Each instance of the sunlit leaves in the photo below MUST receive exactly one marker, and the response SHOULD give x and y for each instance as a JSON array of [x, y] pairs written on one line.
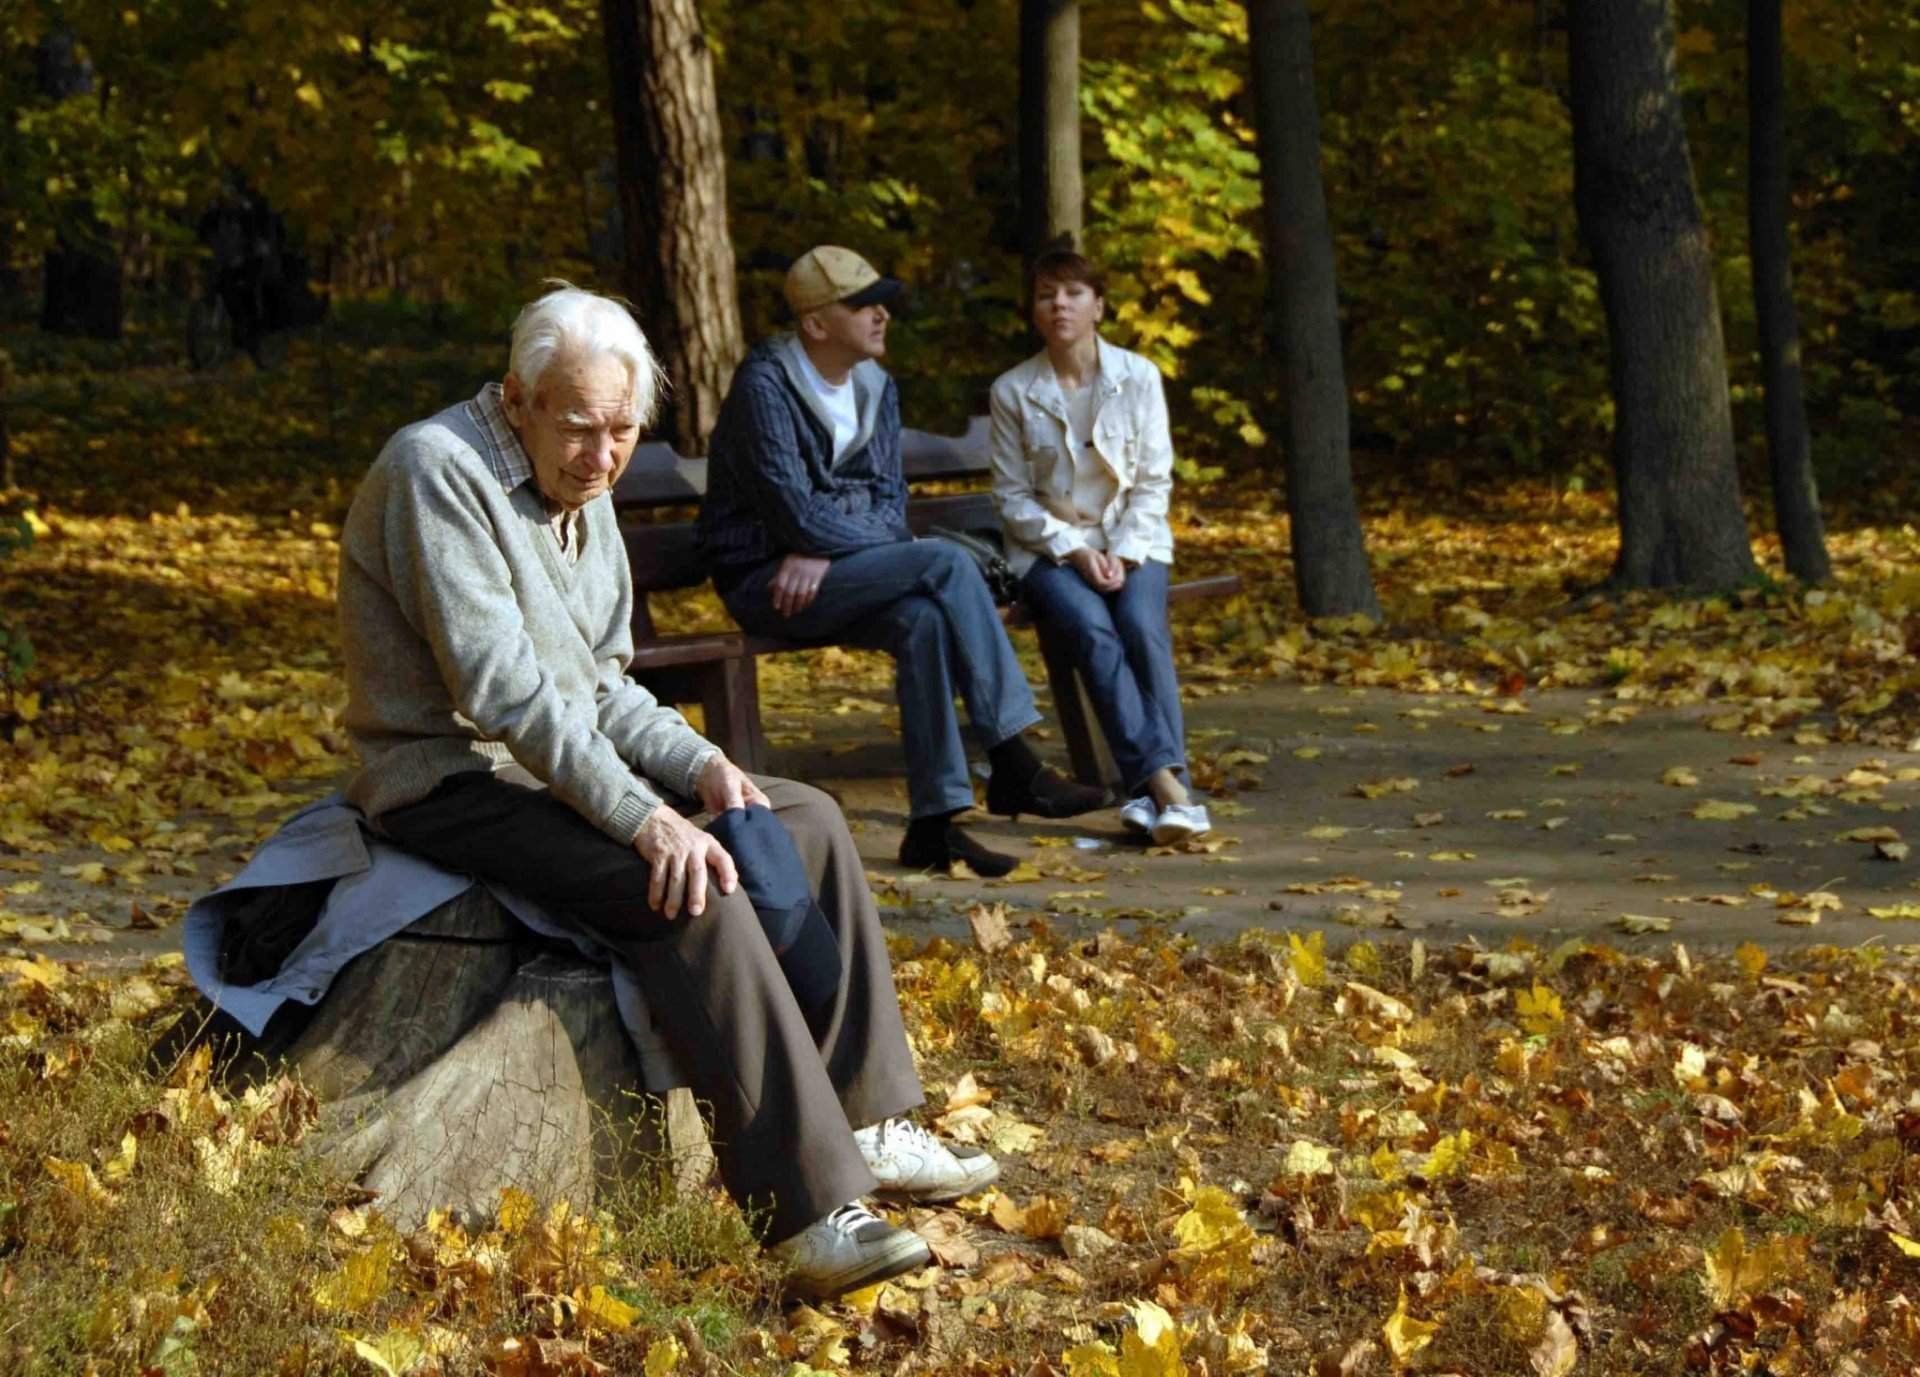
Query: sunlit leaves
[[1737, 1271], [1044, 1216], [1449, 1156], [1216, 1243], [1307, 958], [1539, 1010], [1718, 810], [1406, 1335], [360, 1282]]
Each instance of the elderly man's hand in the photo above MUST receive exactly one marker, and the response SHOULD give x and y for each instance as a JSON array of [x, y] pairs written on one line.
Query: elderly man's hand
[[681, 855], [797, 583], [723, 785]]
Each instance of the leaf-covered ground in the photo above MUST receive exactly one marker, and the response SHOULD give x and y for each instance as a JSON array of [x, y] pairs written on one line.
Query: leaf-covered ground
[[1262, 1153], [1253, 1156]]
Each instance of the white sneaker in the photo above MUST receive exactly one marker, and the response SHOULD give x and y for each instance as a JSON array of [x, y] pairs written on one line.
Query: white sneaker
[[1138, 814], [849, 1249], [911, 1164], [1179, 821]]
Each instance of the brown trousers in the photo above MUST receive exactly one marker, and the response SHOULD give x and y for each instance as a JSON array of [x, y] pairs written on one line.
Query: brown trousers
[[784, 1104]]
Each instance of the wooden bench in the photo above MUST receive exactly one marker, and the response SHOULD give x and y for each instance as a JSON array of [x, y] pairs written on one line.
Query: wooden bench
[[718, 669]]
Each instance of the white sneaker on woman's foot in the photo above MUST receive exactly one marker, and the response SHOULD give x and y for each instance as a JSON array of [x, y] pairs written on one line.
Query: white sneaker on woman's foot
[[911, 1164], [1179, 821], [849, 1249], [1138, 814]]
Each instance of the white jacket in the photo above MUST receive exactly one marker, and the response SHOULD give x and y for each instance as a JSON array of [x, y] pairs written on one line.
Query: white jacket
[[1033, 461]]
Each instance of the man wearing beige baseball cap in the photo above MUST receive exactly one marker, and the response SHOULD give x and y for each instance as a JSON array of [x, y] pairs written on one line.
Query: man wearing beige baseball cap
[[804, 527]]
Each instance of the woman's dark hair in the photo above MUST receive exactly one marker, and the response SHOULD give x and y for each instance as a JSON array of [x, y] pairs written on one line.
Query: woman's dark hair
[[1064, 265]]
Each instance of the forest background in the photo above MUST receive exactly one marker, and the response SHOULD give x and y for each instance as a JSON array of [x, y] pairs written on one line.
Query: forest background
[[433, 162]]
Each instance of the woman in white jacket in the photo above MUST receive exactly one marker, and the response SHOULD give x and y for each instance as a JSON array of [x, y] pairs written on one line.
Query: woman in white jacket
[[1082, 470]]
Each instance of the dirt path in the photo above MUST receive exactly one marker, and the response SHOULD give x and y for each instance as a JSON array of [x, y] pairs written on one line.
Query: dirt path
[[1555, 801], [1539, 818]]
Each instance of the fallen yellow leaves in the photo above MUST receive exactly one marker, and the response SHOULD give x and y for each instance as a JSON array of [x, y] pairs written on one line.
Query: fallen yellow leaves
[[1737, 1272], [361, 1281], [1868, 834], [1416, 1117], [1717, 810], [1216, 1245], [1404, 1334], [1044, 1216], [1540, 1010]]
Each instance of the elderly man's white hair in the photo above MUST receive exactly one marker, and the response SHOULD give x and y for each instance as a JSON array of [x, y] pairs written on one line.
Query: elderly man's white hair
[[575, 323]]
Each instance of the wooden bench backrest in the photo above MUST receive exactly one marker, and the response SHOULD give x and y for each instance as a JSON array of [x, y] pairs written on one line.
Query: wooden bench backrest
[[925, 457], [658, 477], [663, 553]]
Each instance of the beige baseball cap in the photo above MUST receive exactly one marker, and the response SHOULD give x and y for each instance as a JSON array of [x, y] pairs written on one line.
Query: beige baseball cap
[[828, 273]]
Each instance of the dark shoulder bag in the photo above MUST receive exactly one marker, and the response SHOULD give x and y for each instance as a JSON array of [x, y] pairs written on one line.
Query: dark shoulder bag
[[1002, 582]]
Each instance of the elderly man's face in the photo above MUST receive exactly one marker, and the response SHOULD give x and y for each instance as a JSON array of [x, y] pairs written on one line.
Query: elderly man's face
[[578, 428]]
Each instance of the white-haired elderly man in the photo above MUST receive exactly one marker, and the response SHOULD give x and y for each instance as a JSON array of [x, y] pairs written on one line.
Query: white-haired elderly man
[[484, 605]]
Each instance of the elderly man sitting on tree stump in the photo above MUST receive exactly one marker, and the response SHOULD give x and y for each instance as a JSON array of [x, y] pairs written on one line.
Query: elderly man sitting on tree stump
[[484, 604]]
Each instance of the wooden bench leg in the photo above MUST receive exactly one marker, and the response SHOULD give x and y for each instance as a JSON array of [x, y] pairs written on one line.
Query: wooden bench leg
[[1086, 748], [730, 697]]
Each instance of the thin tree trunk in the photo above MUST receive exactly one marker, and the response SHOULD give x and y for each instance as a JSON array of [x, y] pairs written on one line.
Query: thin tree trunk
[[81, 286], [82, 292], [1329, 552], [1680, 518], [1051, 197], [673, 202], [1796, 499], [8, 479]]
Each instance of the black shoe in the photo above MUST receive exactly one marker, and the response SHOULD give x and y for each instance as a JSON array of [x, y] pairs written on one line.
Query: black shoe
[[937, 853], [1049, 794]]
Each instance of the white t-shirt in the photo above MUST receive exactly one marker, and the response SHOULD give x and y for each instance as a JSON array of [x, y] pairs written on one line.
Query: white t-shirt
[[1093, 483], [840, 404]]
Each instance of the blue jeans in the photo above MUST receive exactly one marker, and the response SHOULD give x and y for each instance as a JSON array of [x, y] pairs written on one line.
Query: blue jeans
[[1124, 651], [925, 604]]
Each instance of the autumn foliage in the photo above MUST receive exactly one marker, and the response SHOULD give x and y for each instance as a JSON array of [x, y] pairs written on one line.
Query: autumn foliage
[[1261, 1155]]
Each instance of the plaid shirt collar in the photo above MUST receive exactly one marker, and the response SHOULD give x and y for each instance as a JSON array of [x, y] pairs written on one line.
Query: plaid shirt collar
[[501, 448]]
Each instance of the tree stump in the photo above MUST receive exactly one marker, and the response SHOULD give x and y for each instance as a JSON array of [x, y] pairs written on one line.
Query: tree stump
[[461, 1057]]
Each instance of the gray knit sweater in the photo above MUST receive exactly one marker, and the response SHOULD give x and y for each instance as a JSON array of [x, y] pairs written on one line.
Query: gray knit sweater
[[471, 641]]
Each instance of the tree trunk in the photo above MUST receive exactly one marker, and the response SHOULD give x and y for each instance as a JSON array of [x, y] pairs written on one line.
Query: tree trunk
[[8, 479], [673, 204], [1329, 552], [82, 292], [1051, 199], [1680, 518], [516, 1072], [1796, 500]]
